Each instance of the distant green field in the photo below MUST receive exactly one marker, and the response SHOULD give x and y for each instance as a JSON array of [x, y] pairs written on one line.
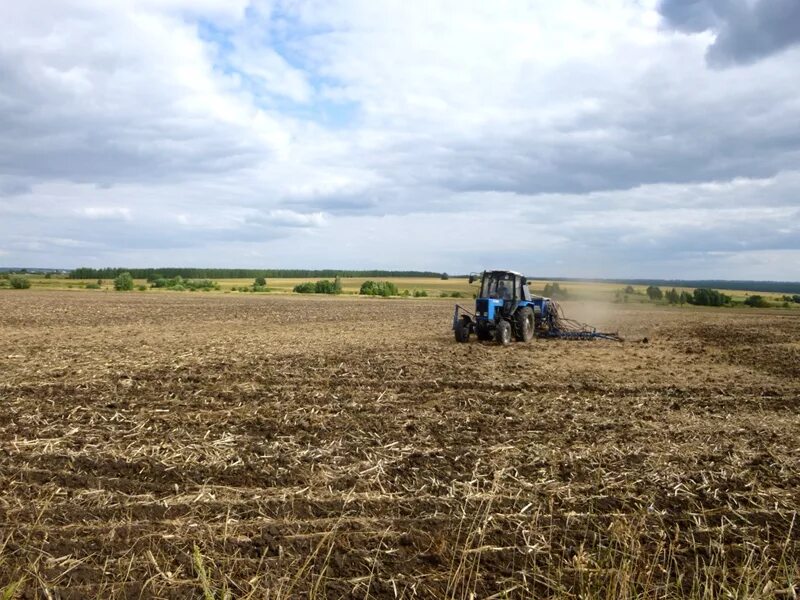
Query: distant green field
[[350, 285], [434, 287]]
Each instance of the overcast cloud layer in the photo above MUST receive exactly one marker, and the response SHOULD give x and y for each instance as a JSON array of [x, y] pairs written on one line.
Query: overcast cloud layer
[[574, 138]]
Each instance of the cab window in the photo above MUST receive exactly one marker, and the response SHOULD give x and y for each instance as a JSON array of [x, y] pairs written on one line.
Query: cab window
[[498, 285]]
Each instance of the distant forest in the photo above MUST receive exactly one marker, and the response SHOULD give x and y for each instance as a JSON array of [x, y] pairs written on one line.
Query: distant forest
[[168, 272], [778, 287]]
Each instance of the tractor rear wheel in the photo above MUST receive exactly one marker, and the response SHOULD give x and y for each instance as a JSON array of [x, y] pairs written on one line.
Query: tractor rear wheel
[[462, 330], [503, 332], [524, 322]]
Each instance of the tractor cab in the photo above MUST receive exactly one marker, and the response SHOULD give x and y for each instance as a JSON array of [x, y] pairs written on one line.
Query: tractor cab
[[500, 295], [503, 285]]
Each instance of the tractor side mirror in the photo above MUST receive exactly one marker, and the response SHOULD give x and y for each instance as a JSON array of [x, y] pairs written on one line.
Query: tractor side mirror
[[472, 278]]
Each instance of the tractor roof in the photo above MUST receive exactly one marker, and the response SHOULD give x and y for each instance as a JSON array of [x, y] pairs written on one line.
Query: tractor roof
[[504, 271]]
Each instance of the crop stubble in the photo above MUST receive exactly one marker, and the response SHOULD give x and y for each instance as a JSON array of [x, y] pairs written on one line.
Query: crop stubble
[[187, 444]]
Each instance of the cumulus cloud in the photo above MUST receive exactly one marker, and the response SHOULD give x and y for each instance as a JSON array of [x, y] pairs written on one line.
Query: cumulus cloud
[[102, 93], [746, 30], [563, 138]]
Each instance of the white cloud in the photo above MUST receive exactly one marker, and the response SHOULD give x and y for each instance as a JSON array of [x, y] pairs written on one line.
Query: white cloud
[[290, 218], [106, 212]]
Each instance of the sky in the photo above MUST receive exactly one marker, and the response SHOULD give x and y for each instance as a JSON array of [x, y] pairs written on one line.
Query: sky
[[623, 138]]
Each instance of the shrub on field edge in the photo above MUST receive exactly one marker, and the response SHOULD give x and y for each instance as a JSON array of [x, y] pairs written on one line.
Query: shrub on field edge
[[179, 284], [654, 293], [201, 284], [123, 282], [325, 286], [378, 288], [757, 302], [708, 297], [19, 283], [92, 286], [420, 294]]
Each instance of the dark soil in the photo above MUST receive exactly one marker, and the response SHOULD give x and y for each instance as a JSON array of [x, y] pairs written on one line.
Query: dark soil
[[156, 445]]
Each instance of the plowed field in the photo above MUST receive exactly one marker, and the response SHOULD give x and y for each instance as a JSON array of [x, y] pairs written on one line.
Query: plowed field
[[209, 445]]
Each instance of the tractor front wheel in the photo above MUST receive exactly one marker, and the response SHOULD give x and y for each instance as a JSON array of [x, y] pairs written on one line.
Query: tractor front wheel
[[524, 322], [503, 333], [462, 330]]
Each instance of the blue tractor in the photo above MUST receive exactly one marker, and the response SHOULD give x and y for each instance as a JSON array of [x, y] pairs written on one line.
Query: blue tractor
[[505, 309]]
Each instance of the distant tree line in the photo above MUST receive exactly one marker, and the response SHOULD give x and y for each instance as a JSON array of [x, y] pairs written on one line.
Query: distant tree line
[[777, 287], [192, 273], [699, 296]]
